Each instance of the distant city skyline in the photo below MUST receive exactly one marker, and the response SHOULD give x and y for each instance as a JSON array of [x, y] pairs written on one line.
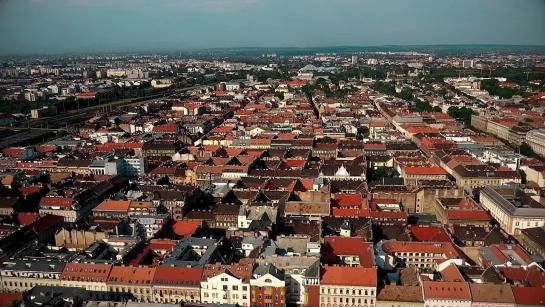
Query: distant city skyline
[[76, 26]]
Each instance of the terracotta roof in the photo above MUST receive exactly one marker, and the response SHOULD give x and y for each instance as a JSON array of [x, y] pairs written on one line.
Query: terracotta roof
[[531, 276], [446, 290], [429, 234], [185, 228], [349, 246], [451, 273], [166, 128], [87, 272], [348, 200], [135, 276], [399, 293], [27, 218], [421, 170], [349, 212], [359, 276], [113, 205], [241, 271], [475, 215], [177, 276], [8, 299], [307, 208], [529, 295], [27, 190], [56, 201], [491, 293], [388, 215]]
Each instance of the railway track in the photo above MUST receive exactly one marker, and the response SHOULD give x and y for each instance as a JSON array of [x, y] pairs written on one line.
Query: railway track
[[57, 122]]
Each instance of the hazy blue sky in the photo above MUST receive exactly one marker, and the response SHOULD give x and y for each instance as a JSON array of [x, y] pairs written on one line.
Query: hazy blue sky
[[51, 26]]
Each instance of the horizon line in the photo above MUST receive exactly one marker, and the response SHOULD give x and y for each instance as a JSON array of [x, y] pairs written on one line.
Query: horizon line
[[448, 46]]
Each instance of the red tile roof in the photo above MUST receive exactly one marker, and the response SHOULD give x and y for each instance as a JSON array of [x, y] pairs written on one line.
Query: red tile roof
[[348, 246], [348, 200], [390, 215], [166, 128], [359, 276], [13, 151], [87, 272], [57, 201], [27, 218], [473, 215], [534, 296], [135, 276], [446, 290], [429, 234], [185, 228], [501, 251], [421, 170], [30, 189], [113, 205], [178, 276], [532, 276], [239, 270], [8, 299], [349, 212], [451, 273]]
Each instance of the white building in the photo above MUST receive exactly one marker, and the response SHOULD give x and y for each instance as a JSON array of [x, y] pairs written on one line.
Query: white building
[[512, 208], [536, 140], [226, 284]]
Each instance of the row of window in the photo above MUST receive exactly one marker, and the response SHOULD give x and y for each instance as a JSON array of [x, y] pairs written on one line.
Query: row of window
[[365, 292], [215, 295], [346, 300]]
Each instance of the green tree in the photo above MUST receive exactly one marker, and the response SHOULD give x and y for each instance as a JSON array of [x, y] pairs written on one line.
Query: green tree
[[463, 113], [526, 150], [280, 95]]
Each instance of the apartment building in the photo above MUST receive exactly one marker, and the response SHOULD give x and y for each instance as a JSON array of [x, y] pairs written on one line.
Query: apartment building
[[512, 208], [20, 275], [175, 285], [227, 284], [414, 175], [536, 140], [446, 293], [268, 287], [418, 254], [90, 276], [131, 283], [348, 286]]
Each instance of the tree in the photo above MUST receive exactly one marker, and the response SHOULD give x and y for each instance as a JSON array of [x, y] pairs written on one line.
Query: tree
[[526, 150], [463, 113], [422, 106], [379, 173], [280, 95], [406, 94]]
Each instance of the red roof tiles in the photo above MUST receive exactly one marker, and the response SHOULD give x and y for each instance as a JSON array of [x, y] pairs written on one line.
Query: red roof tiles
[[446, 290], [359, 276]]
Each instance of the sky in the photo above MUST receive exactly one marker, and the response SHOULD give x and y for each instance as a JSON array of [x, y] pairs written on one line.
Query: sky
[[86, 26]]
